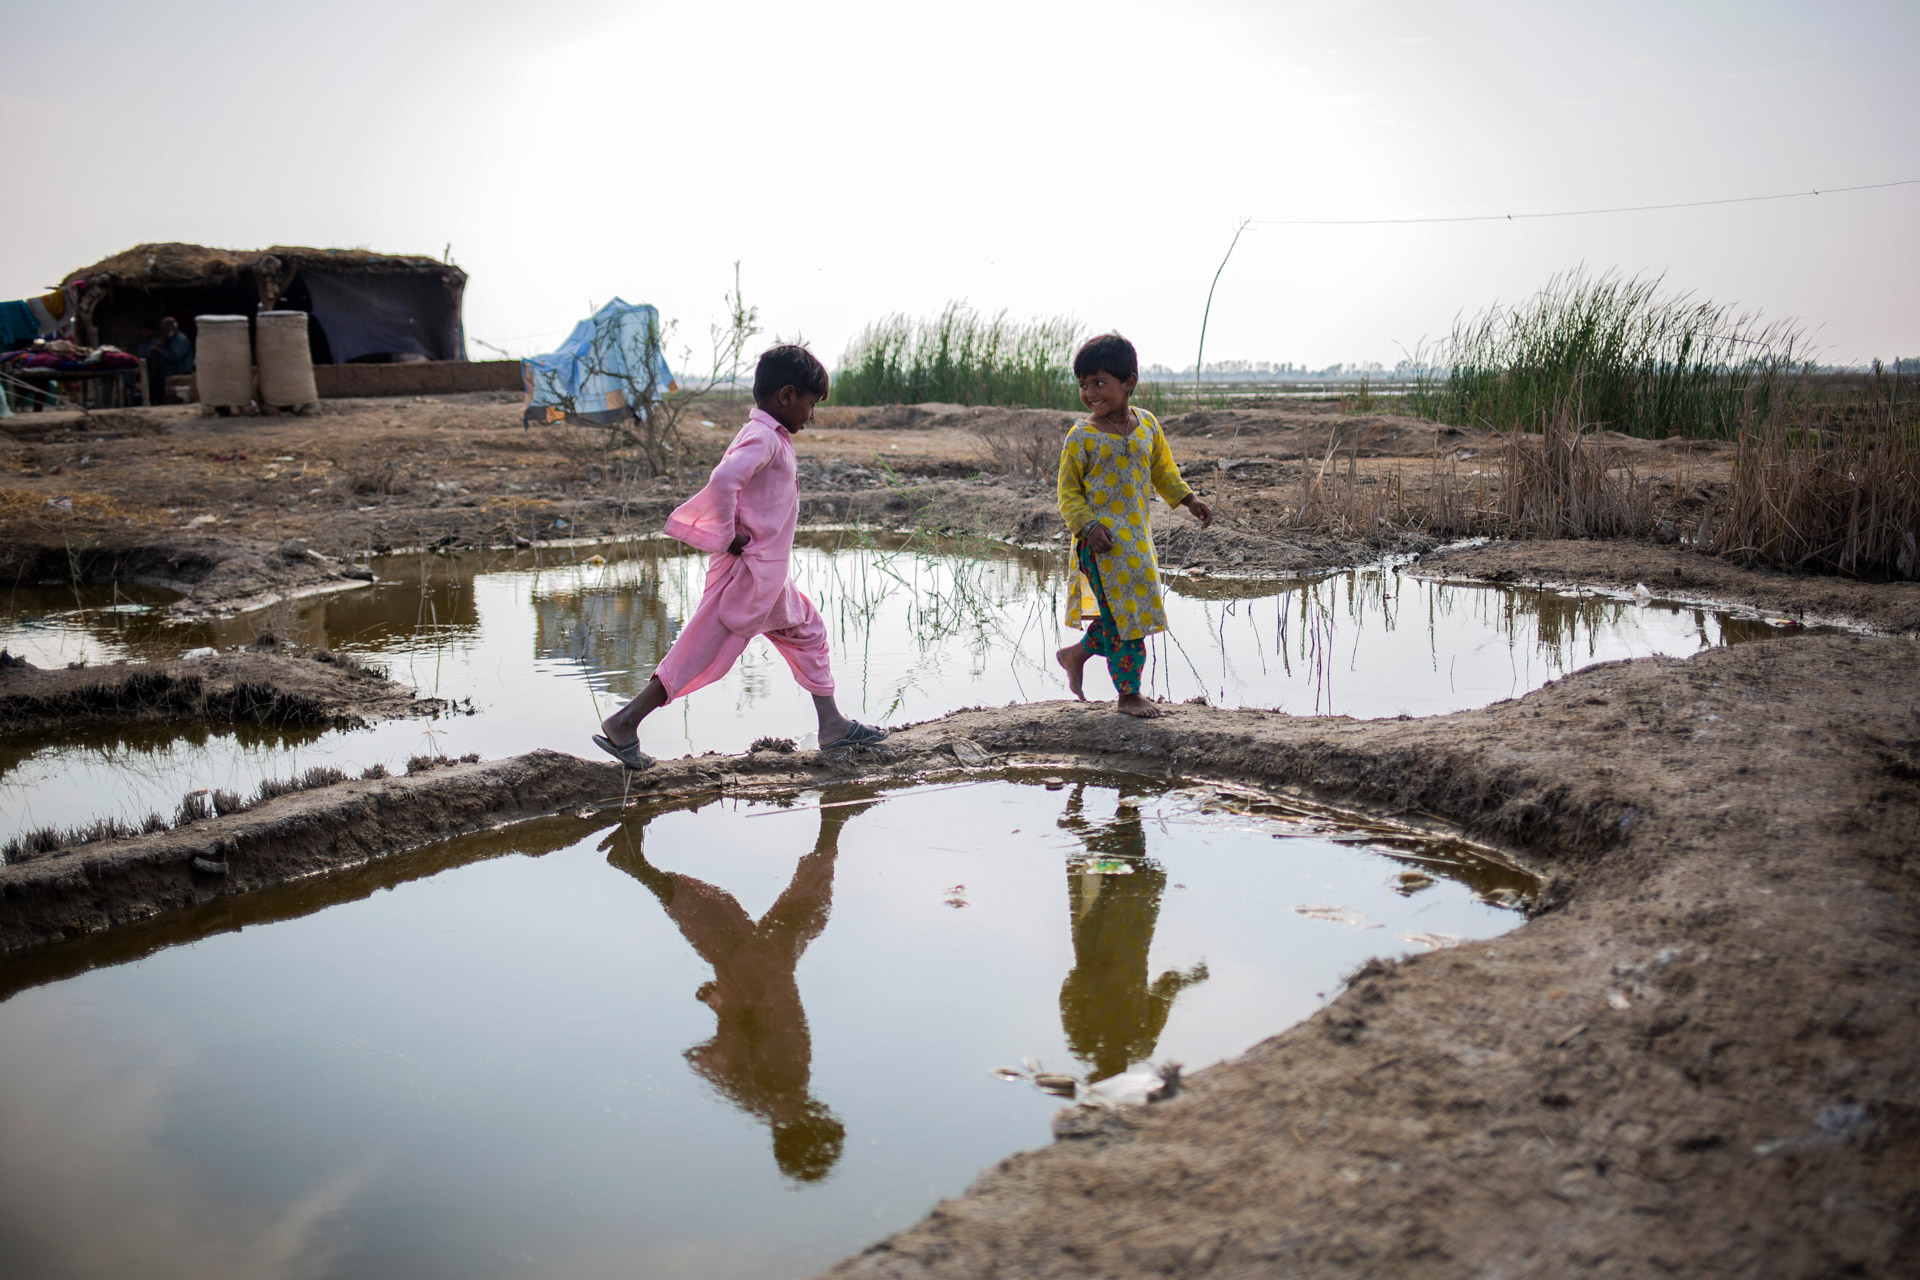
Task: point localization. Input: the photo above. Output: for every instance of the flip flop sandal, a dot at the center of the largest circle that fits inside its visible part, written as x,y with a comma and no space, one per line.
857,735
630,755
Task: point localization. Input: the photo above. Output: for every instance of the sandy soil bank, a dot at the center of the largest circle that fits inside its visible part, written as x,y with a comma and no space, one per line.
258,686
1672,573
1696,1059
1698,1063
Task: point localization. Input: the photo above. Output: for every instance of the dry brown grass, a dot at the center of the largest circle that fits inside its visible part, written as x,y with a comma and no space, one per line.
1559,483
1563,482
1824,481
1334,497
1843,500
29,505
1028,447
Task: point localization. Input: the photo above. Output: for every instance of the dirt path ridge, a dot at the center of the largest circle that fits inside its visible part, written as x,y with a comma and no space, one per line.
1696,1059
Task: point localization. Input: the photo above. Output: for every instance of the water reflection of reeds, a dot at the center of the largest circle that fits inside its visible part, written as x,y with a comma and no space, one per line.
1319,624
919,625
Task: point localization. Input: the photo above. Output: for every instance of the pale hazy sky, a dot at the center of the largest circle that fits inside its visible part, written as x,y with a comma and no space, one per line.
1089,158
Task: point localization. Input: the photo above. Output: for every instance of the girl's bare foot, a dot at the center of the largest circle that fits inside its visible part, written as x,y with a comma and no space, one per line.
1132,704
1074,659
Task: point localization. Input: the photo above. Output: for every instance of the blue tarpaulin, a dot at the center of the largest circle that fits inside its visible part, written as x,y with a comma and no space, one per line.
602,367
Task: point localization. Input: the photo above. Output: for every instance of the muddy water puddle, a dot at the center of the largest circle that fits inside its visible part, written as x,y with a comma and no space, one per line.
546,643
739,1037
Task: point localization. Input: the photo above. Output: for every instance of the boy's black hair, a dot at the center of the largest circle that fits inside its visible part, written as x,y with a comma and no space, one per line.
788,365
1107,353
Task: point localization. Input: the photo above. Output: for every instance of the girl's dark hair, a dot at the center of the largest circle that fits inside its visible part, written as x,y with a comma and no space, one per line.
1108,353
788,365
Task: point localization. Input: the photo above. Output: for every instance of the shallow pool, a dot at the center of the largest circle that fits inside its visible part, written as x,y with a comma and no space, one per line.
734,1038
544,643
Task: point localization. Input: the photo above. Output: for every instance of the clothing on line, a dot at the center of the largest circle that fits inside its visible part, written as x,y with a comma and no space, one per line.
17,325
48,311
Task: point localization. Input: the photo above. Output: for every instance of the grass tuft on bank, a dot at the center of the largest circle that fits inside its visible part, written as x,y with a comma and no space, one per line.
1633,357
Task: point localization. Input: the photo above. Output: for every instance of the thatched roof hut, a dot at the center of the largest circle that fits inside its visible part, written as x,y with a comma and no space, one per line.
365,306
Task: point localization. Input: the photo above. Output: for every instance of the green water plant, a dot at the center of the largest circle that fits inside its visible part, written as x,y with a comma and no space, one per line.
1639,359
961,357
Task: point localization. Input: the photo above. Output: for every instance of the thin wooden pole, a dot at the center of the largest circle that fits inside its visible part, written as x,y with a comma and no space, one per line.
1200,356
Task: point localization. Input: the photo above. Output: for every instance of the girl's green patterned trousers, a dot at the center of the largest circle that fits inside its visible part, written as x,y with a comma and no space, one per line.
1126,659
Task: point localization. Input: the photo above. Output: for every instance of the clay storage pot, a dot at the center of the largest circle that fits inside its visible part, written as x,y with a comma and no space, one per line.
286,361
223,361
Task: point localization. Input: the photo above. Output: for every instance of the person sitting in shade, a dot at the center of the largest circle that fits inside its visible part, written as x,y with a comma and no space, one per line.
172,353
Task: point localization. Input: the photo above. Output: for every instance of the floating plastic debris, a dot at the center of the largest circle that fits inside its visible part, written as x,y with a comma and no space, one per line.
1101,866
1412,881
967,753
1338,915
1139,1086
1435,940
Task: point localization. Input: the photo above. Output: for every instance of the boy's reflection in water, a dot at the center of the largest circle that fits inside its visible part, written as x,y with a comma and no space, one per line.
761,1055
1112,1015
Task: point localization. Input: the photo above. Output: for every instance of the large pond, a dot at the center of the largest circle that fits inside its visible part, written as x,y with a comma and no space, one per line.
542,644
731,1038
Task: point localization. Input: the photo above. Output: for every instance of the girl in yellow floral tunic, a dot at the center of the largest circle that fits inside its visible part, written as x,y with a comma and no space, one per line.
1109,461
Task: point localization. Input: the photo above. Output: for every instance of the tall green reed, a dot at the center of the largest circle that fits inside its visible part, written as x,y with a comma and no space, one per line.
961,357
1638,360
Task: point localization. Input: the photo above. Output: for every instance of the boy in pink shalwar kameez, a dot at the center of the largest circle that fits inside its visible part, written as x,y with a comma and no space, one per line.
745,519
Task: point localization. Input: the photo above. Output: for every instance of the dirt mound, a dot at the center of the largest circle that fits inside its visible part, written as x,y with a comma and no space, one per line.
262,688
288,838
1672,573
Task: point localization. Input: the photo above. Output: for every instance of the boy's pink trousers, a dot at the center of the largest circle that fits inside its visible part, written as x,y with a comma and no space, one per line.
753,491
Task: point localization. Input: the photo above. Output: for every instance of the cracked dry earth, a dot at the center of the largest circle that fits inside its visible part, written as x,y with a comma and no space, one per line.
1697,1061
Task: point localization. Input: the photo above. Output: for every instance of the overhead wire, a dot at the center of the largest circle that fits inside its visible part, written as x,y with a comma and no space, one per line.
1578,213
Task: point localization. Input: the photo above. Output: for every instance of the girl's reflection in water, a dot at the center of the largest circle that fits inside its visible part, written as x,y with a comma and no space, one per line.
761,1055
1111,1013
